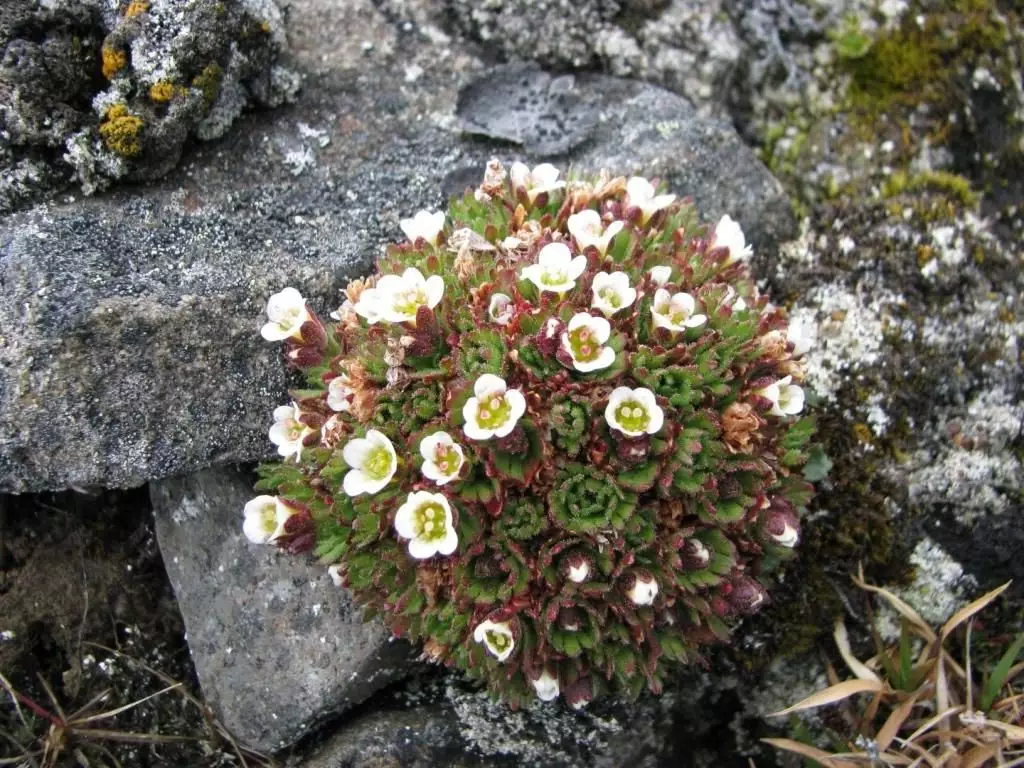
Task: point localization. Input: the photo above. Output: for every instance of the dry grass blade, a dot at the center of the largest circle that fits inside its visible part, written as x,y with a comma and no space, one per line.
894,722
130,738
856,666
901,607
970,609
805,750
942,695
932,722
833,694
119,710
14,699
978,756
1014,733
246,756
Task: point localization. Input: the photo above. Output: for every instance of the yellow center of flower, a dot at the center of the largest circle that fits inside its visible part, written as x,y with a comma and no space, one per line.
409,301
428,521
632,416
498,640
679,317
493,412
268,520
446,459
379,463
583,344
611,297
552,277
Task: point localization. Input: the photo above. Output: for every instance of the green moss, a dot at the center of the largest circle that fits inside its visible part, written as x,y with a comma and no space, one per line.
919,62
955,188
208,81
121,131
850,40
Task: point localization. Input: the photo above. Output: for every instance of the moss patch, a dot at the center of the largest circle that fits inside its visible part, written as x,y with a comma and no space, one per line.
208,81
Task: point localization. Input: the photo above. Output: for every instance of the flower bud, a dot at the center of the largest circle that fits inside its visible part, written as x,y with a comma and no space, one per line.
746,595
695,555
780,526
576,567
579,693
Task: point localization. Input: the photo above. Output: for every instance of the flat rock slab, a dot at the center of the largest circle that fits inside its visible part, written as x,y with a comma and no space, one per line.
277,646
129,322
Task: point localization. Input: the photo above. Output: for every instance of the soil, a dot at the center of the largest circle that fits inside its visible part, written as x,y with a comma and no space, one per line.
89,625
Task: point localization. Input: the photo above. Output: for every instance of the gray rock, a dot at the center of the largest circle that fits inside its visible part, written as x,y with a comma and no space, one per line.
96,91
129,344
688,46
277,646
441,722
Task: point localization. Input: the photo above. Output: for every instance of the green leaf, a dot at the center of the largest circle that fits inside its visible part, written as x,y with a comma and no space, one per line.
995,681
641,478
818,465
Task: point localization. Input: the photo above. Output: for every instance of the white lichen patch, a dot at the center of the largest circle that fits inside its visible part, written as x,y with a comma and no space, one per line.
786,682
940,587
849,330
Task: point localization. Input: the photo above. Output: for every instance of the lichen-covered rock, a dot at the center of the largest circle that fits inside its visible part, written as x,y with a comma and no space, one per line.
96,91
441,721
689,47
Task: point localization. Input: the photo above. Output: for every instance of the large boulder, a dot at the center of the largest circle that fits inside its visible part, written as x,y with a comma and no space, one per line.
129,323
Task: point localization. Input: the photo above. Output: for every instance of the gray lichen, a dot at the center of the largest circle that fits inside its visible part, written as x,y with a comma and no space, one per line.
93,92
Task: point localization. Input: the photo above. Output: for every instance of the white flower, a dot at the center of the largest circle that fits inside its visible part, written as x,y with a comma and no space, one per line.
801,337
675,311
497,638
334,571
287,312
288,433
787,399
500,309
644,590
339,393
396,298
556,270
494,411
739,305
612,292
660,275
442,457
373,463
584,340
425,225
634,412
265,517
579,573
546,687
640,193
788,538
729,235
425,519
588,230
543,178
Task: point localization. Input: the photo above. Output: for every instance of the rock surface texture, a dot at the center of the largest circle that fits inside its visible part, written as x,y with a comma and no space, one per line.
277,646
96,91
131,321
129,345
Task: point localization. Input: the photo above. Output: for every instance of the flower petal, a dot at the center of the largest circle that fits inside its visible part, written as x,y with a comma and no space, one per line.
489,384
434,290
449,543
356,451
421,549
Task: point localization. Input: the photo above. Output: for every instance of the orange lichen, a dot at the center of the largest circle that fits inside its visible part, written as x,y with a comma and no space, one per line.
121,131
161,92
135,8
113,61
